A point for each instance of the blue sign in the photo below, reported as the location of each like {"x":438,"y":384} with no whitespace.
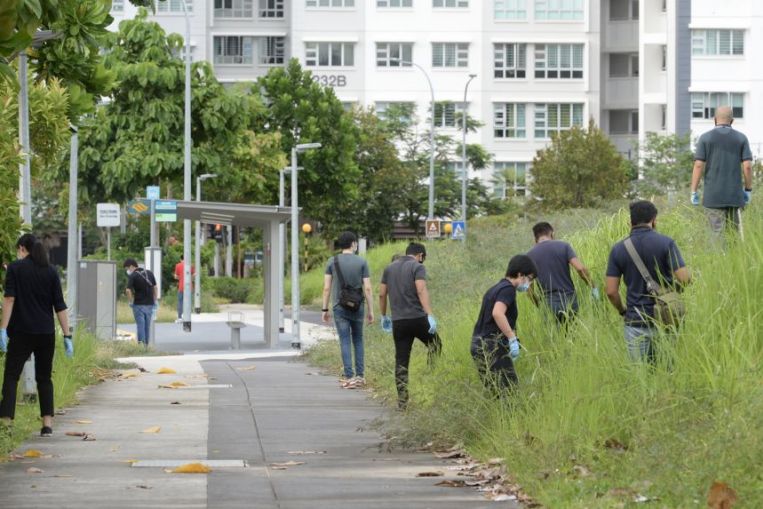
{"x":152,"y":192}
{"x":459,"y":230}
{"x":166,"y":211}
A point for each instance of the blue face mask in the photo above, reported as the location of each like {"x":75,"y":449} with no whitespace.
{"x":524,"y":286}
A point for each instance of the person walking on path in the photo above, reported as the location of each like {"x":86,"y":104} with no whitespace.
{"x":553,"y":259}
{"x":404,"y":282}
{"x":721,"y":159}
{"x":662,"y":259}
{"x":142,"y":295}
{"x":32,"y":295}
{"x":495,"y":346}
{"x":347,"y":284}
{"x":179,"y":276}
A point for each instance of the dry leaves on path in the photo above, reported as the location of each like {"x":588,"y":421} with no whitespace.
{"x":32,"y":453}
{"x":75,"y":434}
{"x":192,"y":468}
{"x":430,"y":474}
{"x":305,"y":453}
{"x":83,"y":421}
{"x":173,"y":385}
{"x":285,"y":465}
{"x":247,"y":368}
{"x":452,"y":483}
{"x":34,"y":470}
{"x":152,"y":429}
{"x":166,"y":371}
{"x":721,"y":496}
{"x":128,"y":373}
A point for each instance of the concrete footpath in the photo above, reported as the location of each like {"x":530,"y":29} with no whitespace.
{"x":275,"y":432}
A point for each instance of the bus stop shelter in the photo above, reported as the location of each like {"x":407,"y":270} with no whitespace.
{"x":265,"y":217}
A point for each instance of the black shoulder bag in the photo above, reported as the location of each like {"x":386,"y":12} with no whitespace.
{"x":349,"y":298}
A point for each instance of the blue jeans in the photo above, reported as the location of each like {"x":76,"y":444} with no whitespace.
{"x":562,"y":306}
{"x":349,"y":326}
{"x":640,"y":342}
{"x":143,"y":316}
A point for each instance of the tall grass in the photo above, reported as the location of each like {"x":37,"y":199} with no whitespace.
{"x":587,"y":427}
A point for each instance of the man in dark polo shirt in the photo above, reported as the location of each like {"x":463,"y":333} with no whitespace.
{"x":722,"y":156}
{"x":666,"y":266}
{"x":142,"y":294}
{"x":404,"y":281}
{"x":553,"y":259}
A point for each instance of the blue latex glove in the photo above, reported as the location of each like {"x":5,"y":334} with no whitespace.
{"x":386,"y":324}
{"x":3,"y":340}
{"x":154,"y":310}
{"x":68,"y":346}
{"x":595,"y":293}
{"x":747,"y":196}
{"x":514,"y":348}
{"x":432,"y":324}
{"x":695,"y":198}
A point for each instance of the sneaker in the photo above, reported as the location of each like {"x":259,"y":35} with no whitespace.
{"x":46,"y":431}
{"x":360,"y":381}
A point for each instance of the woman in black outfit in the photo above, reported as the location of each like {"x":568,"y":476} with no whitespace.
{"x":32,"y":293}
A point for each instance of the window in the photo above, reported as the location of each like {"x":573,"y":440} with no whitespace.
{"x":270,"y":9}
{"x":717,"y":42}
{"x":509,"y":178}
{"x":450,"y":54}
{"x":559,"y":61}
{"x":623,"y":121}
{"x":118,"y":5}
{"x":623,"y":10}
{"x":510,"y":9}
{"x":272,"y":50}
{"x":173,"y":6}
{"x":448,"y":114}
{"x":553,"y":118}
{"x":329,"y":54}
{"x":623,"y":65}
{"x":450,"y":3}
{"x":394,"y":54}
{"x":233,"y":50}
{"x":456,"y":167}
{"x":394,"y":3}
{"x":556,"y":10}
{"x":703,"y":104}
{"x":509,"y":120}
{"x":510,"y":61}
{"x":330,"y":3}
{"x":392,"y":109}
{"x":234,"y":8}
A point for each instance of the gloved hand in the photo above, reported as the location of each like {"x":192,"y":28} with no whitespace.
{"x":3,"y":340}
{"x":386,"y":324}
{"x":432,"y":324}
{"x":695,"y":198}
{"x":514,"y":348}
{"x":68,"y":346}
{"x":154,"y":310}
{"x":595,"y":293}
{"x":747,"y":196}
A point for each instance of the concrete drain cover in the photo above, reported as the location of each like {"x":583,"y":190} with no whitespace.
{"x":177,"y":463}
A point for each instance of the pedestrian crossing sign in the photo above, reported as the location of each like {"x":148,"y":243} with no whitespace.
{"x":433,"y":228}
{"x":459,"y":230}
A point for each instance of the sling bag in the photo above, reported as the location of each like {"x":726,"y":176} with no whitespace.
{"x":669,"y":308}
{"x":349,"y":298}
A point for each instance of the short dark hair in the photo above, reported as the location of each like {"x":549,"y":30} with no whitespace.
{"x":541,"y":229}
{"x":130,"y":262}
{"x":521,"y":264}
{"x":414,"y":248}
{"x":346,"y":239}
{"x":642,"y":212}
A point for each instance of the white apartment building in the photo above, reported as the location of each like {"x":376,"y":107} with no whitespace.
{"x":541,"y":66}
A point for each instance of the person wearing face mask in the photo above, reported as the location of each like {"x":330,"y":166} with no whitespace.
{"x":32,"y":295}
{"x":404,"y":281}
{"x":495,"y":346}
{"x":142,"y":295}
{"x":662,"y":259}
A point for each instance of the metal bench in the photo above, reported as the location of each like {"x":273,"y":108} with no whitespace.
{"x":236,"y":323}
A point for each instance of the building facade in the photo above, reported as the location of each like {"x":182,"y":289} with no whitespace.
{"x":541,"y":66}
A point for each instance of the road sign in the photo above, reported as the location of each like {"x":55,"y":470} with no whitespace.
{"x":108,"y":215}
{"x":166,"y":211}
{"x":459,"y":230}
{"x":433,"y":228}
{"x":140,"y":207}
{"x":152,"y":192}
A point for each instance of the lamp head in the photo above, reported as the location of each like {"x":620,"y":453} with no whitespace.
{"x":307,"y":146}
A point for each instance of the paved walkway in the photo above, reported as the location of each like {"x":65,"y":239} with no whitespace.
{"x":250,"y":410}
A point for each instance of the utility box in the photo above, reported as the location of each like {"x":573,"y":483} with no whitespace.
{"x":97,"y":298}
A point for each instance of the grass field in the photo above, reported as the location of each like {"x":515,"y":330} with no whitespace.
{"x":587,"y":427}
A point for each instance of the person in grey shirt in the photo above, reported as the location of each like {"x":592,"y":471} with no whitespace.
{"x":349,"y":322}
{"x":722,"y":156}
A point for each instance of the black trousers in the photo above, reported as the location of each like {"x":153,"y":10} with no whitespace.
{"x":20,"y":347}
{"x":496,"y":369}
{"x":404,"y":333}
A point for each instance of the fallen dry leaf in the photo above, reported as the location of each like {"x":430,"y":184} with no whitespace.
{"x":429,"y":474}
{"x":152,"y":429}
{"x":247,"y":368}
{"x":452,"y":454}
{"x":166,"y":371}
{"x":34,"y":470}
{"x":285,"y":465}
{"x":305,"y":453}
{"x":721,"y":496}
{"x":613,"y":443}
{"x":452,"y":483}
{"x":175,"y":403}
{"x":32,"y":453}
{"x":84,"y":421}
{"x":130,"y":461}
{"x":143,"y":486}
{"x":88,"y":438}
{"x":128,"y":373}
{"x":63,"y":476}
{"x":75,"y":434}
{"x":192,"y":468}
{"x":173,"y":385}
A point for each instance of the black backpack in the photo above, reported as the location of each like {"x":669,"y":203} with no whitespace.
{"x":349,"y":298}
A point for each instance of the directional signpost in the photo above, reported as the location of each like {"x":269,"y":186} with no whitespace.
{"x":459,"y":230}
{"x":108,"y":216}
{"x":433,"y":228}
{"x":166,"y":211}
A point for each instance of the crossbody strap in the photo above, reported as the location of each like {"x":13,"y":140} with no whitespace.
{"x":339,"y":272}
{"x":651,"y":284}
{"x":143,"y":273}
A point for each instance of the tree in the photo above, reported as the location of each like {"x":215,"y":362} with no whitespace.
{"x":579,"y":168}
{"x":666,"y":163}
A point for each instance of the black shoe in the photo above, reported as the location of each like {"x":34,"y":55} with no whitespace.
{"x":46,"y":431}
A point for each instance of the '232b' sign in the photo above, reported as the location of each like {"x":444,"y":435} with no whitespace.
{"x":331,"y":80}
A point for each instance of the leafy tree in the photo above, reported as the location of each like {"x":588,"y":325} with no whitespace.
{"x":666,"y":163}
{"x":579,"y":168}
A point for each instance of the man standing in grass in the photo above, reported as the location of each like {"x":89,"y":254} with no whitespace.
{"x":495,"y":346}
{"x":662,"y":259}
{"x":349,"y":271}
{"x":553,"y":259}
{"x":722,"y":156}
{"x":405,"y":282}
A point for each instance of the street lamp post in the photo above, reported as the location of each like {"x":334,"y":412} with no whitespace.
{"x":197,"y":279}
{"x":295,"y":341}
{"x":187,"y":173}
{"x":463,"y":155}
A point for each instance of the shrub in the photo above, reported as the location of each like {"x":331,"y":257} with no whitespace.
{"x":232,"y":289}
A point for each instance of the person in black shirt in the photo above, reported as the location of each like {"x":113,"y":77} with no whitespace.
{"x":142,"y":294}
{"x":32,"y":293}
{"x":494,"y":341}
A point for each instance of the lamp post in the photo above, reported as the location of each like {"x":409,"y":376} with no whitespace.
{"x":282,"y":244}
{"x":187,"y":172}
{"x":463,"y":154}
{"x":197,"y":279}
{"x":295,"y":341}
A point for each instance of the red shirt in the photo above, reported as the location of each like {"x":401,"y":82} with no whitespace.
{"x":180,"y":275}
